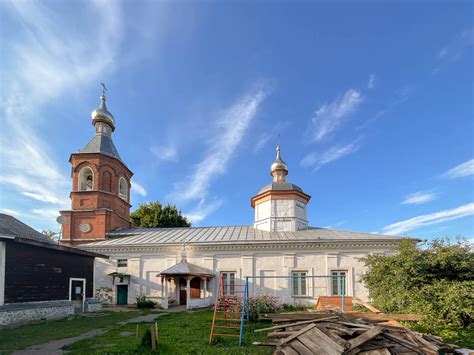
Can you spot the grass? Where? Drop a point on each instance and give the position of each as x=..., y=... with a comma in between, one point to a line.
x=179, y=333
x=42, y=332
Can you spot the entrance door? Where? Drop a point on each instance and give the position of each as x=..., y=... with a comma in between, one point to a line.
x=77, y=293
x=183, y=296
x=122, y=294
x=195, y=287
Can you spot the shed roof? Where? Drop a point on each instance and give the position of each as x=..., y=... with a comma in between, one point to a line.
x=228, y=235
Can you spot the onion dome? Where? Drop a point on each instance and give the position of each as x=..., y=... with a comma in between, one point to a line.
x=279, y=168
x=102, y=115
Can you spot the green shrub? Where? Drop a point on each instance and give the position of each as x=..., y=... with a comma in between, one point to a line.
x=262, y=305
x=436, y=282
x=294, y=307
x=142, y=302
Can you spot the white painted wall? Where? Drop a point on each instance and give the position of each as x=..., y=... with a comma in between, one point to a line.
x=145, y=268
x=281, y=216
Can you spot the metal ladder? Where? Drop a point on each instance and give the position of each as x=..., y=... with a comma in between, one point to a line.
x=228, y=310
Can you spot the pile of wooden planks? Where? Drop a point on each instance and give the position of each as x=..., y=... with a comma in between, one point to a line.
x=358, y=333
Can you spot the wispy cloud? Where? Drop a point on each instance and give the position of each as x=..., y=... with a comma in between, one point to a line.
x=272, y=133
x=420, y=197
x=167, y=153
x=139, y=189
x=49, y=58
x=455, y=49
x=328, y=117
x=462, y=170
x=10, y=212
x=371, y=81
x=316, y=160
x=203, y=209
x=402, y=227
x=231, y=126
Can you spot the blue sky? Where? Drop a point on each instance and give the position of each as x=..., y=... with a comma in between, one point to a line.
x=373, y=104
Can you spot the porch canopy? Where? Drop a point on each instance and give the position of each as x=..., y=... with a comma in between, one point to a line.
x=191, y=284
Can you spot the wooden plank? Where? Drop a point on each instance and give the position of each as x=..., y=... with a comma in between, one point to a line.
x=376, y=352
x=300, y=348
x=365, y=304
x=356, y=325
x=384, y=317
x=279, y=334
x=317, y=346
x=288, y=350
x=294, y=324
x=297, y=334
x=364, y=337
x=261, y=343
x=403, y=342
x=319, y=336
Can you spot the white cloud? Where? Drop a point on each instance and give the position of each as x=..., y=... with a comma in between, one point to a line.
x=462, y=170
x=46, y=213
x=402, y=227
x=272, y=133
x=315, y=160
x=139, y=189
x=168, y=153
x=10, y=212
x=232, y=124
x=330, y=116
x=371, y=81
x=49, y=58
x=202, y=210
x=420, y=197
x=454, y=50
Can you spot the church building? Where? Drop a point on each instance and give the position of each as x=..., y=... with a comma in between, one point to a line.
x=181, y=266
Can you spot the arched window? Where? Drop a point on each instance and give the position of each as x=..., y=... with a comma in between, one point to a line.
x=86, y=179
x=123, y=189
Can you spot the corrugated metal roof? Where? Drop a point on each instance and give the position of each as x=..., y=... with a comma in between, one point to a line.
x=227, y=234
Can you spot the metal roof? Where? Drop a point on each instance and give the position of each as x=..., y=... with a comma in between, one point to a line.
x=229, y=234
x=103, y=144
x=12, y=227
x=280, y=186
x=185, y=268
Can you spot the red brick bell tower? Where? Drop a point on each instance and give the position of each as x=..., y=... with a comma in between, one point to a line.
x=100, y=196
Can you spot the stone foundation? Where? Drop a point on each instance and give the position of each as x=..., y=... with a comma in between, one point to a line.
x=27, y=312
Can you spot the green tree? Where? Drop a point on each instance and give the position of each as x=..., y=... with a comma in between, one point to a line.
x=436, y=282
x=53, y=235
x=154, y=215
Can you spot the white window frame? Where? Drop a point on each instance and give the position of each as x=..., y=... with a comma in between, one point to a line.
x=81, y=178
x=123, y=196
x=299, y=278
x=229, y=290
x=338, y=277
x=71, y=279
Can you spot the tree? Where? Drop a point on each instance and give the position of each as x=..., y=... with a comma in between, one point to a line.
x=436, y=282
x=154, y=215
x=53, y=235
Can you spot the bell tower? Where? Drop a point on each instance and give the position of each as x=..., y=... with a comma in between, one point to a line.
x=281, y=205
x=100, y=196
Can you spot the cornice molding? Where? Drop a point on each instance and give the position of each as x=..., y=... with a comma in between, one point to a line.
x=244, y=247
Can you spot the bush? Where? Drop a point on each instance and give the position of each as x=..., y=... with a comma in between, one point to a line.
x=262, y=305
x=436, y=282
x=295, y=307
x=142, y=302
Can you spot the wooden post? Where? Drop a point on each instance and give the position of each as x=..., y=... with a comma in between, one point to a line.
x=153, y=337
x=136, y=335
x=156, y=333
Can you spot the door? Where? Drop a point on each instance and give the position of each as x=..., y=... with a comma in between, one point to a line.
x=76, y=293
x=339, y=283
x=196, y=287
x=122, y=294
x=229, y=283
x=183, y=296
